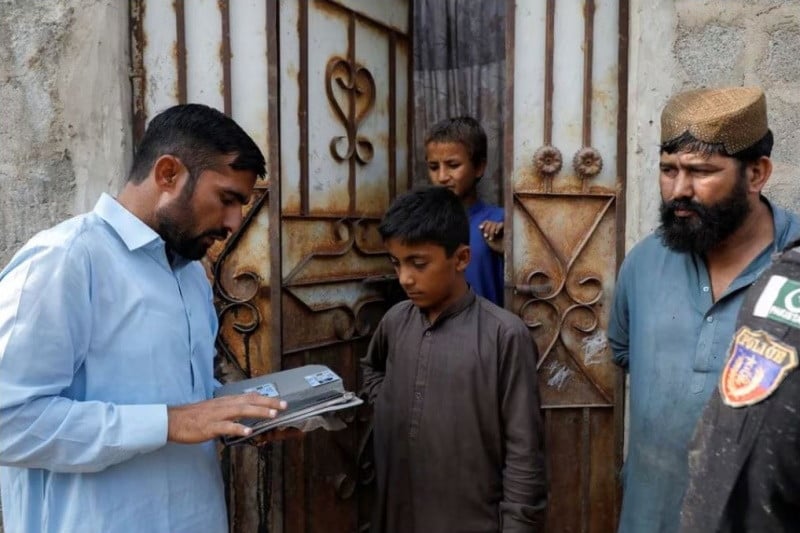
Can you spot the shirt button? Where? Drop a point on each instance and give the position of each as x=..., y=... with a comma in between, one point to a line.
x=710, y=319
x=427, y=333
x=705, y=289
x=418, y=395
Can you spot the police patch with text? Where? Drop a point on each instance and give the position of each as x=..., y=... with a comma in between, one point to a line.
x=757, y=365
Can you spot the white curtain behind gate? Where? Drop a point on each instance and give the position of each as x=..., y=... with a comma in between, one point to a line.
x=459, y=69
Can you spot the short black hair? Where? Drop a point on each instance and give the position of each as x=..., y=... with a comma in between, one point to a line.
x=689, y=143
x=427, y=215
x=198, y=135
x=464, y=130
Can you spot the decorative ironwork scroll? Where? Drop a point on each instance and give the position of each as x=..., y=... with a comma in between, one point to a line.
x=357, y=87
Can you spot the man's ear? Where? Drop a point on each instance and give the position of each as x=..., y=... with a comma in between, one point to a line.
x=167, y=171
x=759, y=172
x=463, y=255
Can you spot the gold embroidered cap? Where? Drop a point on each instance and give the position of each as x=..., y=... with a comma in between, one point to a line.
x=735, y=117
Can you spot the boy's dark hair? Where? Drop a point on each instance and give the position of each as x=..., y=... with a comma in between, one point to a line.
x=464, y=130
x=427, y=215
x=198, y=135
x=688, y=143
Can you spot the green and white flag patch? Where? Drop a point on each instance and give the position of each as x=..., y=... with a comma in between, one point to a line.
x=780, y=301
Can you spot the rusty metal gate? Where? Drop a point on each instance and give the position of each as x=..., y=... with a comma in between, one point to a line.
x=323, y=88
x=565, y=141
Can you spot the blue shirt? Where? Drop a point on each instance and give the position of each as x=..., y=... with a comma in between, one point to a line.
x=485, y=270
x=98, y=334
x=673, y=338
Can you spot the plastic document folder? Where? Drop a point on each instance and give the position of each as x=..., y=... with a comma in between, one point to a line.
x=309, y=391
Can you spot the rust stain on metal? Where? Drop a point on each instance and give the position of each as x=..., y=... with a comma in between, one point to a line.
x=302, y=112
x=588, y=47
x=392, y=141
x=622, y=126
x=180, y=48
x=351, y=116
x=622, y=172
x=508, y=136
x=225, y=54
x=587, y=163
x=274, y=169
x=138, y=73
x=549, y=51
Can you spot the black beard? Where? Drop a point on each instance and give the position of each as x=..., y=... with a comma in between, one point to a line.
x=172, y=222
x=712, y=225
x=192, y=248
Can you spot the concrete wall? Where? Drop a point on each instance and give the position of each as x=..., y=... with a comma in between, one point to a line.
x=681, y=44
x=65, y=105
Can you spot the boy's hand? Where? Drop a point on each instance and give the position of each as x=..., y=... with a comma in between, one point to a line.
x=493, y=234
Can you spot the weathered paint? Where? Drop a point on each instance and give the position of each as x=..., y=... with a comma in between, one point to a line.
x=564, y=232
x=306, y=278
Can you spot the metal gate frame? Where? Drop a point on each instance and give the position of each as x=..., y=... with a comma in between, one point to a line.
x=584, y=165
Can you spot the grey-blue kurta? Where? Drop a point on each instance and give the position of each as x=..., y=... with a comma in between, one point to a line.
x=670, y=335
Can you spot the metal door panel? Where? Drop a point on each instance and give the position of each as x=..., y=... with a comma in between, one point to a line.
x=346, y=174
x=203, y=28
x=242, y=274
x=327, y=187
x=155, y=37
x=250, y=68
x=566, y=132
x=372, y=194
x=290, y=75
x=302, y=280
x=389, y=13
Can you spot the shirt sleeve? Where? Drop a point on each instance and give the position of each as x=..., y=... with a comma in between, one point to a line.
x=618, y=322
x=373, y=365
x=45, y=334
x=524, y=480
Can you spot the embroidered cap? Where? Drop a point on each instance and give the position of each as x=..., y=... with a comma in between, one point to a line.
x=735, y=117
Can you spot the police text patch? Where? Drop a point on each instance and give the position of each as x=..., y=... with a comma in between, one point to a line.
x=780, y=301
x=756, y=366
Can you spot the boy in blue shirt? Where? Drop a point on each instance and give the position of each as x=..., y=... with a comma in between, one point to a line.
x=455, y=153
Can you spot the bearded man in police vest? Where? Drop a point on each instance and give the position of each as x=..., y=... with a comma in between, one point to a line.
x=680, y=289
x=744, y=460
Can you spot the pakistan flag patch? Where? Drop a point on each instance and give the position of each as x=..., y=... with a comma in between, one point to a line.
x=780, y=301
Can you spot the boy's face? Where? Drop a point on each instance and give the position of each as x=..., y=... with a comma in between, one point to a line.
x=431, y=280
x=449, y=165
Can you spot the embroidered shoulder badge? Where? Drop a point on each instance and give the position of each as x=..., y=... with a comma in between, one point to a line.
x=780, y=301
x=756, y=366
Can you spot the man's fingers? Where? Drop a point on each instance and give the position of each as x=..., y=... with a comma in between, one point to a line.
x=231, y=429
x=212, y=418
x=253, y=398
x=246, y=410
